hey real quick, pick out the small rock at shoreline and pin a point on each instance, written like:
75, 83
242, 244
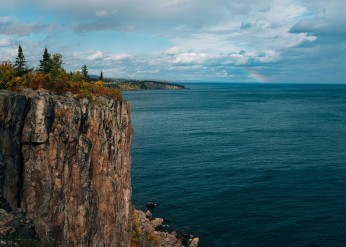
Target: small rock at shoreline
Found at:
151, 204
194, 242
148, 214
157, 222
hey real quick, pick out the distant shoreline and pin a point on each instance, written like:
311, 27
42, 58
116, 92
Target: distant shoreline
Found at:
136, 85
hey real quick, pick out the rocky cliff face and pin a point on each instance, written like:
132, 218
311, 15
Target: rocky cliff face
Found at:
66, 162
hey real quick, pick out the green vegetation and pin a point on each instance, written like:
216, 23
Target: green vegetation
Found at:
136, 233
20, 64
45, 63
85, 72
142, 237
53, 77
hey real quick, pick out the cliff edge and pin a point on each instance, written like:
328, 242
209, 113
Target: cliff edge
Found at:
66, 163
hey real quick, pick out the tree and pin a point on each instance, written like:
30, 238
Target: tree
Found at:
56, 62
20, 64
101, 76
46, 62
85, 72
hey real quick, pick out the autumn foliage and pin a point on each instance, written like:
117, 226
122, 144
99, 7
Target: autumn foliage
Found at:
54, 79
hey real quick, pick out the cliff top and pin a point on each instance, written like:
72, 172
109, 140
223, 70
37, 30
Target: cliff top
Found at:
52, 76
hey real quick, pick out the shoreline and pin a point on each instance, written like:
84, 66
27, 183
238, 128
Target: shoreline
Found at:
150, 231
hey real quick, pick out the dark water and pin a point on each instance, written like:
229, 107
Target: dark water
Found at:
244, 165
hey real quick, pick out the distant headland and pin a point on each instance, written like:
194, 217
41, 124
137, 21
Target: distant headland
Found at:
133, 84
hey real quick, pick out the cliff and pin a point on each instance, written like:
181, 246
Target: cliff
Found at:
66, 163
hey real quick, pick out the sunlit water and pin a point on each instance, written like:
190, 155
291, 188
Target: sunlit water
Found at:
244, 165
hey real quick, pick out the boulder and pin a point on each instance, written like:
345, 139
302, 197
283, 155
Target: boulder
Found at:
156, 222
148, 214
194, 242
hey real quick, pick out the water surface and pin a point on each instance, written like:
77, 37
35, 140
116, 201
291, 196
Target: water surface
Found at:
244, 164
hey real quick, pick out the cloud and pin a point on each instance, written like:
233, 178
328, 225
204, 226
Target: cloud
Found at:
94, 26
5, 42
102, 13
214, 38
174, 50
95, 55
189, 58
246, 25
10, 25
118, 56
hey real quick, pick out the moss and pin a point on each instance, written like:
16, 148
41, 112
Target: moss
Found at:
142, 238
153, 238
136, 232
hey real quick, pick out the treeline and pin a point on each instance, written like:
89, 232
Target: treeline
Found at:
52, 76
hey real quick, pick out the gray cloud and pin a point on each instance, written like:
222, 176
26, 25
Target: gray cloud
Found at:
281, 39
12, 26
98, 25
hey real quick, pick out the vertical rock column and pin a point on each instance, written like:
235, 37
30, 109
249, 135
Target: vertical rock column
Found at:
75, 178
13, 109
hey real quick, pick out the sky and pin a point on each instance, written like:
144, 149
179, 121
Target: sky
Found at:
279, 41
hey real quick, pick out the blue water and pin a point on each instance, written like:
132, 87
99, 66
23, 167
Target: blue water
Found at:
244, 164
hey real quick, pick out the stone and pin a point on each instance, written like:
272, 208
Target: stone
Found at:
157, 222
66, 162
151, 205
165, 239
148, 214
15, 224
194, 242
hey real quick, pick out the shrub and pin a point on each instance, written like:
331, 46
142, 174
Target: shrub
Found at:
53, 77
136, 231
17, 84
35, 80
7, 73
115, 93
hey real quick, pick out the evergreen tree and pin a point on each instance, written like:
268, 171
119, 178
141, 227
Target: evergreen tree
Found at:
85, 72
20, 65
101, 76
46, 62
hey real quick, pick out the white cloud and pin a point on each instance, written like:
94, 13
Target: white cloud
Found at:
174, 50
102, 13
118, 56
95, 55
5, 42
189, 58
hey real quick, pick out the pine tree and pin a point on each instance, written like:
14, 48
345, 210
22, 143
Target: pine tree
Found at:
20, 65
101, 76
85, 72
46, 62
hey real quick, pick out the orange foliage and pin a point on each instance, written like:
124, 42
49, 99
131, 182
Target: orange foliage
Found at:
35, 80
115, 93
58, 82
17, 84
